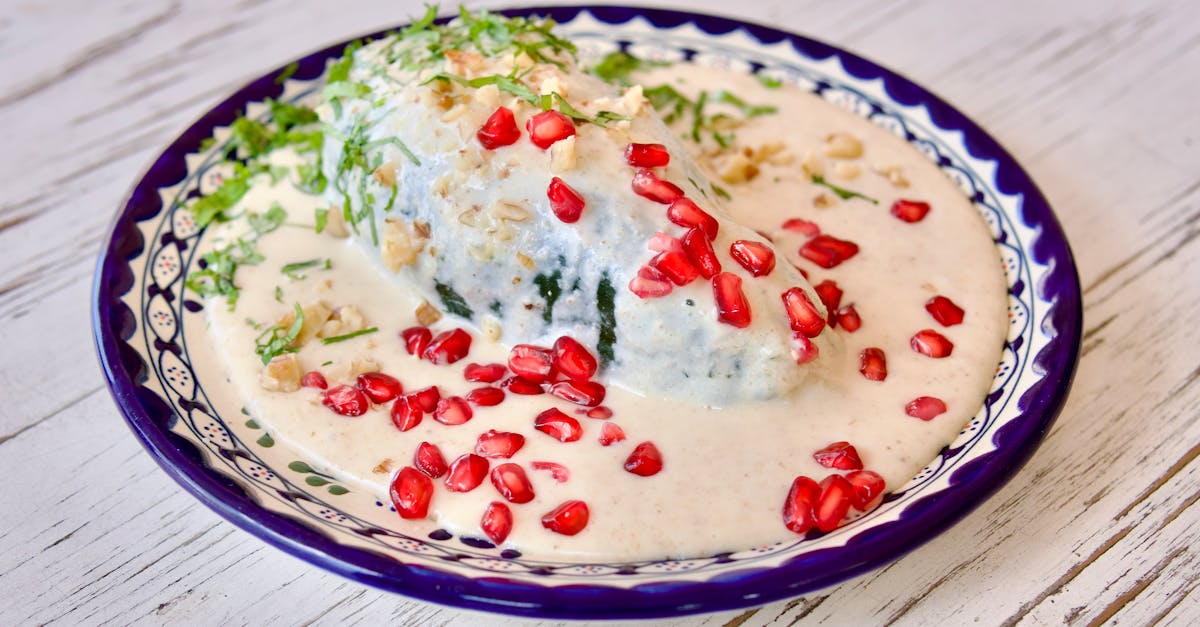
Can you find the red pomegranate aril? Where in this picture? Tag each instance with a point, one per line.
(756, 257)
(688, 214)
(910, 210)
(944, 311)
(839, 455)
(676, 267)
(556, 470)
(586, 393)
(500, 129)
(872, 364)
(411, 492)
(426, 398)
(484, 373)
(486, 396)
(452, 410)
(647, 155)
(406, 412)
(532, 363)
(650, 283)
(828, 251)
(868, 486)
(611, 433)
(925, 407)
(830, 294)
(379, 387)
(497, 522)
(931, 344)
(466, 473)
(346, 400)
(314, 379)
(522, 386)
(847, 317)
(645, 460)
(732, 306)
(510, 481)
(661, 242)
(804, 350)
(416, 339)
(804, 227)
(429, 460)
(565, 202)
(599, 413)
(447, 347)
(798, 507)
(802, 313)
(700, 251)
(493, 444)
(567, 519)
(834, 502)
(558, 425)
(647, 185)
(573, 360)
(547, 127)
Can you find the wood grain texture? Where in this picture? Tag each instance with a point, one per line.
(1096, 99)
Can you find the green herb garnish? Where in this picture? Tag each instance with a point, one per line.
(277, 341)
(321, 217)
(343, 338)
(843, 193)
(292, 270)
(617, 66)
(605, 297)
(453, 301)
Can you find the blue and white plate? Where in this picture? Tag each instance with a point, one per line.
(167, 381)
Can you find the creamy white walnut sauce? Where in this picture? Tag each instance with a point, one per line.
(791, 306)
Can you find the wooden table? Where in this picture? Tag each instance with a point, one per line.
(1099, 100)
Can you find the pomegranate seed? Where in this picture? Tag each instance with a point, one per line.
(847, 317)
(834, 502)
(586, 393)
(868, 485)
(557, 471)
(486, 396)
(700, 252)
(645, 460)
(532, 363)
(452, 410)
(647, 185)
(416, 339)
(803, 349)
(428, 459)
(828, 251)
(661, 242)
(466, 473)
(756, 257)
(484, 373)
(566, 203)
(492, 443)
(925, 407)
(931, 344)
(447, 347)
(732, 307)
(830, 294)
(944, 311)
(599, 413)
(500, 129)
(647, 155)
(839, 455)
(872, 363)
(688, 214)
(522, 386)
(573, 360)
(427, 398)
(346, 400)
(611, 433)
(676, 267)
(650, 283)
(798, 507)
(910, 210)
(558, 425)
(379, 387)
(314, 379)
(568, 518)
(406, 412)
(547, 127)
(510, 481)
(497, 522)
(802, 313)
(803, 227)
(411, 492)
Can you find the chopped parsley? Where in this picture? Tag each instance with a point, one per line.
(674, 106)
(842, 192)
(292, 270)
(342, 338)
(321, 218)
(453, 301)
(215, 276)
(616, 67)
(278, 340)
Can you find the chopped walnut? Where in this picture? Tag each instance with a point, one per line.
(488, 96)
(552, 85)
(491, 329)
(399, 248)
(737, 169)
(315, 315)
(811, 164)
(464, 63)
(345, 319)
(842, 146)
(846, 170)
(281, 374)
(893, 174)
(633, 100)
(454, 112)
(361, 365)
(427, 314)
(525, 260)
(335, 223)
(822, 200)
(384, 466)
(504, 210)
(562, 155)
(385, 174)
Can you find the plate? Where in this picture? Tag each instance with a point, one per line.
(175, 398)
